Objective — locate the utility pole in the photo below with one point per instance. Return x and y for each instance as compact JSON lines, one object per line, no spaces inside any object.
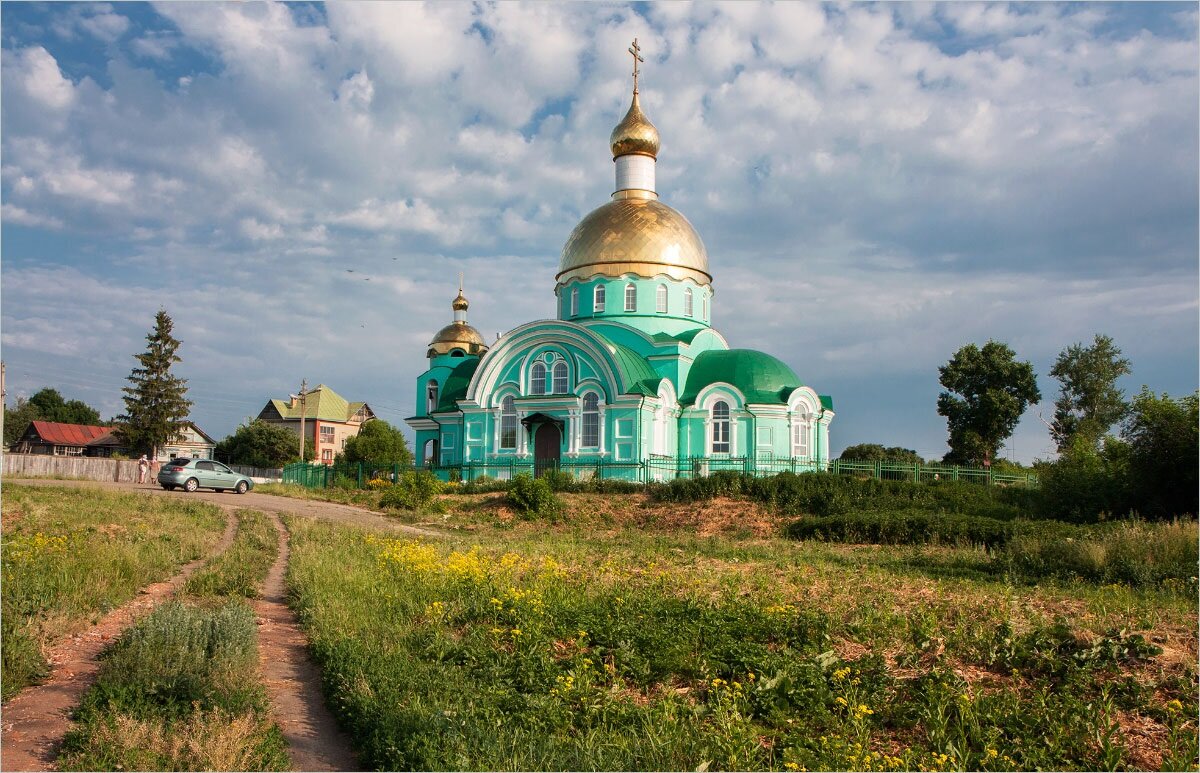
{"x":300,"y":397}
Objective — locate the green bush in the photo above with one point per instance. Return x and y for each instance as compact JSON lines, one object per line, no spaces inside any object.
{"x":414,"y":490}
{"x":828,"y":494}
{"x":484,"y":484}
{"x":559,"y":480}
{"x":533,"y":497}
{"x":1131,"y":552}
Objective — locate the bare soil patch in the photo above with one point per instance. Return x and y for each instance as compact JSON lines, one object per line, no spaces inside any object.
{"x":292,"y":681}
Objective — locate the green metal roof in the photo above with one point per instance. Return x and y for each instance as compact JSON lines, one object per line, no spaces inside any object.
{"x":684,"y":337}
{"x":456,"y":385}
{"x":635,"y":372}
{"x":826,"y":402}
{"x":760,"y":377}
{"x":321,"y":403}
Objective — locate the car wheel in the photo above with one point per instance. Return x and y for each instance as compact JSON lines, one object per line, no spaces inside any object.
{"x":242,"y":487}
{"x":191,"y":485}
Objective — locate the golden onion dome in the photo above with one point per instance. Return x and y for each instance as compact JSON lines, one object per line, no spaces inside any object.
{"x":457,"y":335}
{"x":634,"y":235}
{"x":459,"y":303}
{"x":634,"y":134}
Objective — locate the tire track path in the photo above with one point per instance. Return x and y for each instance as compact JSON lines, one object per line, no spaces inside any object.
{"x":292,"y":681}
{"x":36,"y":719}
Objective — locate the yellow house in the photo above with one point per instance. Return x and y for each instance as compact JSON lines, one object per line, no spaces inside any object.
{"x":329,"y":419}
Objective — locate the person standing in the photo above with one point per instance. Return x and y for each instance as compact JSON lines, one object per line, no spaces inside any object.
{"x":143,"y":468}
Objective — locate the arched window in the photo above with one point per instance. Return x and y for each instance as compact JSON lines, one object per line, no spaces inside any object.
{"x":801,"y":428}
{"x":660,"y":299}
{"x":591,"y":420}
{"x":574,"y":301}
{"x":537,"y":379}
{"x":687,"y":302}
{"x":431,"y":396}
{"x":560,"y":378}
{"x":704,"y":307}
{"x":508,"y":423}
{"x":720,"y":427}
{"x":598,"y":299}
{"x":630,"y":297}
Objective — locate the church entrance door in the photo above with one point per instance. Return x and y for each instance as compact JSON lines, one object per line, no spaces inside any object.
{"x":547,"y":448}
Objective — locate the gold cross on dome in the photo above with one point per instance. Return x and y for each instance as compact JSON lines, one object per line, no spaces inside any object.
{"x":636,"y":50}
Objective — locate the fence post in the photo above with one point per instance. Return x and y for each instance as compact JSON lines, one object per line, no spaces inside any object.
{"x":360,"y":474}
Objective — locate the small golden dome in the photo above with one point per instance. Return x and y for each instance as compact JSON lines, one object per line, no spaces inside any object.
{"x":459,"y":303}
{"x":457,"y":335}
{"x":640,"y":236}
{"x":634,"y":134}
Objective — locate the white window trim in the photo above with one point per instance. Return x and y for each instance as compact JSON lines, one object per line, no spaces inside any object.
{"x":583,"y":414}
{"x":598,"y":299}
{"x":688,"y":306}
{"x":630,"y":297}
{"x":574,"y":301}
{"x":660,"y":299}
{"x":714,"y":422}
{"x":533,"y":390}
{"x":566,"y":380}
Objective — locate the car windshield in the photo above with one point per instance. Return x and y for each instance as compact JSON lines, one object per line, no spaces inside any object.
{"x":220,"y":467}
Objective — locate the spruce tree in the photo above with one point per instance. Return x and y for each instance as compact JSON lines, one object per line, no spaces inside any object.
{"x":156,"y":406}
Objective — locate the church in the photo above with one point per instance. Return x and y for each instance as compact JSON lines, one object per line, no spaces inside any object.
{"x":631,"y":380}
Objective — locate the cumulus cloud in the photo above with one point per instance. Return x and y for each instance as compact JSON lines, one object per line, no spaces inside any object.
{"x":904,"y":176}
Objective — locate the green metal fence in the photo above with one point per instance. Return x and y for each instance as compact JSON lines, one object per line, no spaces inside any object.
{"x":654,"y":469}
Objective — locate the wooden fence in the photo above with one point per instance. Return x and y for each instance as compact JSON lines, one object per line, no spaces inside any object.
{"x":98,"y":468}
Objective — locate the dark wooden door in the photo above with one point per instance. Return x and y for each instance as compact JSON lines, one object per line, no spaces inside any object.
{"x":547,"y":448}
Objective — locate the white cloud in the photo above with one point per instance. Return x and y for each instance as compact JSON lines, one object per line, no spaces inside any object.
{"x":38,"y":73}
{"x":896,"y":169}
{"x":11,"y":213}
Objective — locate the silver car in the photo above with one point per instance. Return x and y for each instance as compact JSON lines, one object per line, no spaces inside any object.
{"x":192,"y":474}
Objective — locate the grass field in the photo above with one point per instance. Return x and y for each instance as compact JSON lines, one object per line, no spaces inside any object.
{"x":70,"y":555}
{"x":180,"y":690}
{"x":525,"y":646}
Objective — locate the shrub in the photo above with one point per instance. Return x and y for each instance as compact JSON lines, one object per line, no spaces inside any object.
{"x":379,"y":484}
{"x":559,"y":480}
{"x":533,"y":496}
{"x":484,"y":484}
{"x":827,"y":494}
{"x":1132,"y":552}
{"x":414,"y":490}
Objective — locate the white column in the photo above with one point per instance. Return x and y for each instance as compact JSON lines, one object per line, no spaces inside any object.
{"x":522,"y":439}
{"x":603,"y":449}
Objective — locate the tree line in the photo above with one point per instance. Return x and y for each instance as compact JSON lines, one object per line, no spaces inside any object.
{"x":1147,"y":466}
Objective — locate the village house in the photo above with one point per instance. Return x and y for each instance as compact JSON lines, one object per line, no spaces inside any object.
{"x":329,"y":419}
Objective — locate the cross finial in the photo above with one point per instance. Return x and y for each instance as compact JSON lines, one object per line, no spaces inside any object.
{"x":636,"y":50}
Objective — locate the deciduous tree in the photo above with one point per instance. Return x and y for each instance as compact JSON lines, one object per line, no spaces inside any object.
{"x":1163,"y":453}
{"x":378,"y":441}
{"x":988,"y":390}
{"x":156,"y":405}
{"x":259,"y":444}
{"x":874,"y":452}
{"x":1089,"y":402}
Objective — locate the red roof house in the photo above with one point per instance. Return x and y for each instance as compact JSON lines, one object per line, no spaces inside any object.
{"x":53,"y":437}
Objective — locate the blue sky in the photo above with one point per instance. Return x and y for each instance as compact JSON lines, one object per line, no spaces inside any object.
{"x":299,"y":185}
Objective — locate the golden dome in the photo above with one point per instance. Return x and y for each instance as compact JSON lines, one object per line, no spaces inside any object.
{"x":634,"y":134}
{"x":634,"y":235}
{"x":459,"y":303}
{"x":457,"y":335}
